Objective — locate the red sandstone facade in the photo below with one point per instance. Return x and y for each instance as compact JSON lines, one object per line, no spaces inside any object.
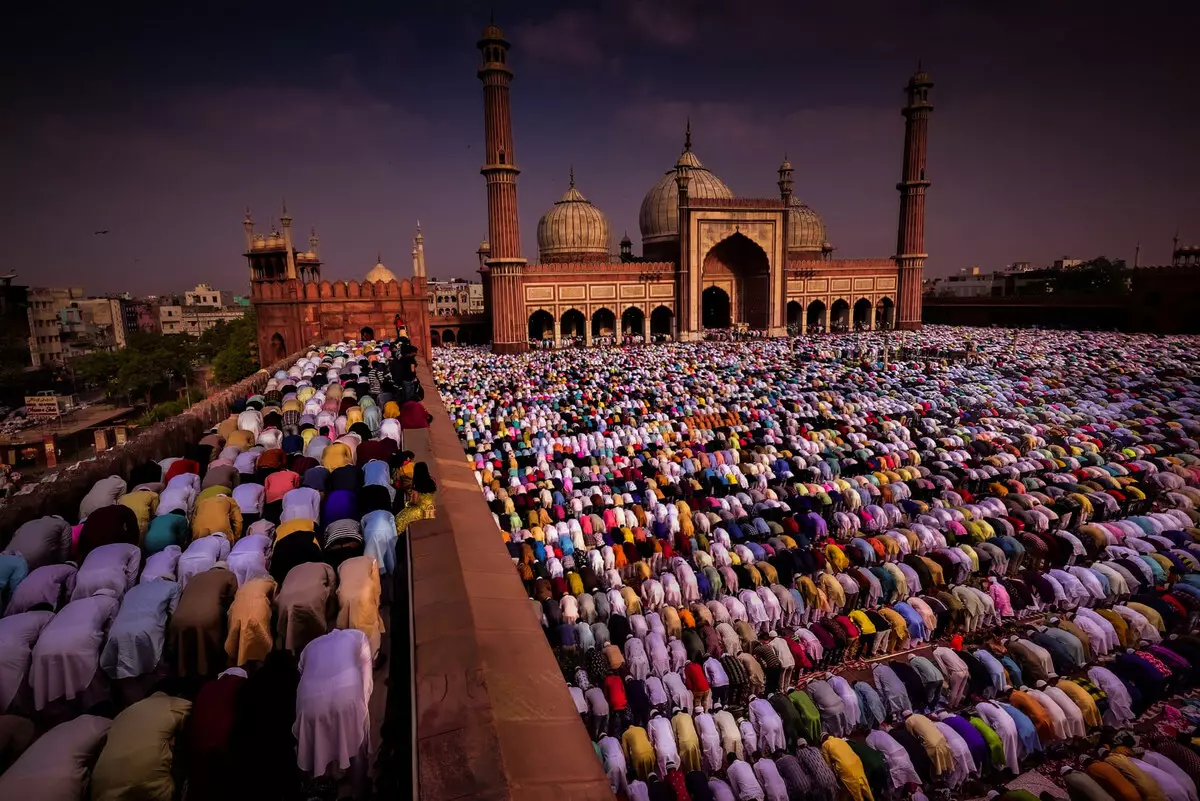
{"x":711,"y":259}
{"x":296,"y":307}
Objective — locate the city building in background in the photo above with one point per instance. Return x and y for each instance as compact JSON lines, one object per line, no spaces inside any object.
{"x":456,"y":297}
{"x":198,"y":310}
{"x":45,"y":322}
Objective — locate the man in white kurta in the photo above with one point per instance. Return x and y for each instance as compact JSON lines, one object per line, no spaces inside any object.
{"x":113,"y":567}
{"x":18,"y":634}
{"x":332,"y":724}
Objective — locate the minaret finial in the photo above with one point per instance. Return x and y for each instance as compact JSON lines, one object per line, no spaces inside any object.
{"x":687,"y":136}
{"x":918,"y":63}
{"x":379,"y":257}
{"x":572,"y":176}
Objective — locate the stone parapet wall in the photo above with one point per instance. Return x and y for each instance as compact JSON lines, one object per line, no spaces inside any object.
{"x":159,"y":441}
{"x":494,"y":718}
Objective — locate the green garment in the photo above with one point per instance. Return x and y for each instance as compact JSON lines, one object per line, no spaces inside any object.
{"x":874,"y":765}
{"x":994,"y":745}
{"x":810,"y":718}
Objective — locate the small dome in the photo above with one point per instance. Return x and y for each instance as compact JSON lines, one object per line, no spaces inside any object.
{"x":484,"y":247}
{"x":573,"y":230}
{"x":307,"y":255}
{"x":260,"y":242}
{"x":659,"y":215}
{"x":380,"y":273}
{"x":274,"y":240}
{"x":492,"y":33}
{"x":805,"y":229}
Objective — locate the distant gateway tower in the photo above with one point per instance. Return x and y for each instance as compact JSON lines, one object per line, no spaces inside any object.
{"x":710,"y":258}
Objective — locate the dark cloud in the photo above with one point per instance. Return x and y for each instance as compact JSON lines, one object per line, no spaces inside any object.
{"x":1055,"y":131}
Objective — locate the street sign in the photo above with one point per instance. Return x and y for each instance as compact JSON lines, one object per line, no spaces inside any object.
{"x":42,"y":407}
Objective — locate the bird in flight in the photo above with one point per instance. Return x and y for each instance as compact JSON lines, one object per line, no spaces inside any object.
{"x":98,"y":233}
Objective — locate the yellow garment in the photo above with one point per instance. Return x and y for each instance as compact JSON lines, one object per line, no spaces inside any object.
{"x":687,"y":741}
{"x":250,"y":636}
{"x":240,"y":439}
{"x":358,"y":598}
{"x":898,"y":624}
{"x":836,"y":558}
{"x":337,"y":454}
{"x":940,"y":755}
{"x":292,"y":526}
{"x":212,"y":492}
{"x":217,"y":515}
{"x":423,"y":509}
{"x":1146,"y":786}
{"x":1119,"y":624}
{"x":1083,"y":699}
{"x":391,"y":410}
{"x":639,"y":754}
{"x":144,"y":504}
{"x":227,"y":427}
{"x":633,"y":604}
{"x":136,"y":761}
{"x":354,"y":415}
{"x":865,"y":626}
{"x":833,"y":589}
{"x":848,"y":767}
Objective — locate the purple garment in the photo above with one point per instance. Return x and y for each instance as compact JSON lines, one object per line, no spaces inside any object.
{"x":18,"y":634}
{"x":341,"y":504}
{"x":51,"y":584}
{"x":67,"y":654}
{"x":113,"y":567}
{"x":972,"y":736}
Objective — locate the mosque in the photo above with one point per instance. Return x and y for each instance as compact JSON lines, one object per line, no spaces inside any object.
{"x":711,"y":259}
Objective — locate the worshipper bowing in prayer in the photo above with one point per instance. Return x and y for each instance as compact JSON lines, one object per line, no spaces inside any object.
{"x":57,"y":766}
{"x":332,"y":723}
{"x":197,"y":629}
{"x":137,"y":760}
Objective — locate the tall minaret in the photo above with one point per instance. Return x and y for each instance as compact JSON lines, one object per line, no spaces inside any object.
{"x":419,"y":244}
{"x":248,"y":227}
{"x":286,"y":219}
{"x":505,"y":265}
{"x":910,"y":239}
{"x":313,"y":243}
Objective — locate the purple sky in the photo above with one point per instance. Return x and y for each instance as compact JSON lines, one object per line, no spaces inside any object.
{"x":1054,"y":132}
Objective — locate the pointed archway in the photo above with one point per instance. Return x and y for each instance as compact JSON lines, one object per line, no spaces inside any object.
{"x":661,"y":321}
{"x":885,"y":314}
{"x":604,"y":323}
{"x":839,"y":316}
{"x":633,"y":322}
{"x":541,"y":325}
{"x":715,"y":308}
{"x":862,"y":314}
{"x":795,"y":317}
{"x":746,"y":265}
{"x":573,"y":324}
{"x":816,"y":316}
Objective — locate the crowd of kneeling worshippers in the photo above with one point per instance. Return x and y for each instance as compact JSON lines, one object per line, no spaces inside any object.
{"x":803,"y":570}
{"x":209,"y":625}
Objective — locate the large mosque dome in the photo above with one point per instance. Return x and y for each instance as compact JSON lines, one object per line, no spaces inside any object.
{"x":659,"y":216}
{"x":805,"y":229}
{"x":573,"y":230}
{"x":380,"y":273}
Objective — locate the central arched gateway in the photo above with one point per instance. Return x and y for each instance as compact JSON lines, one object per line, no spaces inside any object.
{"x":715,"y":308}
{"x":740,"y":263}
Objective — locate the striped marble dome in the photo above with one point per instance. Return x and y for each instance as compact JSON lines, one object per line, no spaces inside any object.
{"x":573,"y":230}
{"x":805,"y":229}
{"x":659,"y":216}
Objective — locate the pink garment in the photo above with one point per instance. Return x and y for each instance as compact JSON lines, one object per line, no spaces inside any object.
{"x":332,"y":724}
{"x":67,"y":653}
{"x":1000,"y":598}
